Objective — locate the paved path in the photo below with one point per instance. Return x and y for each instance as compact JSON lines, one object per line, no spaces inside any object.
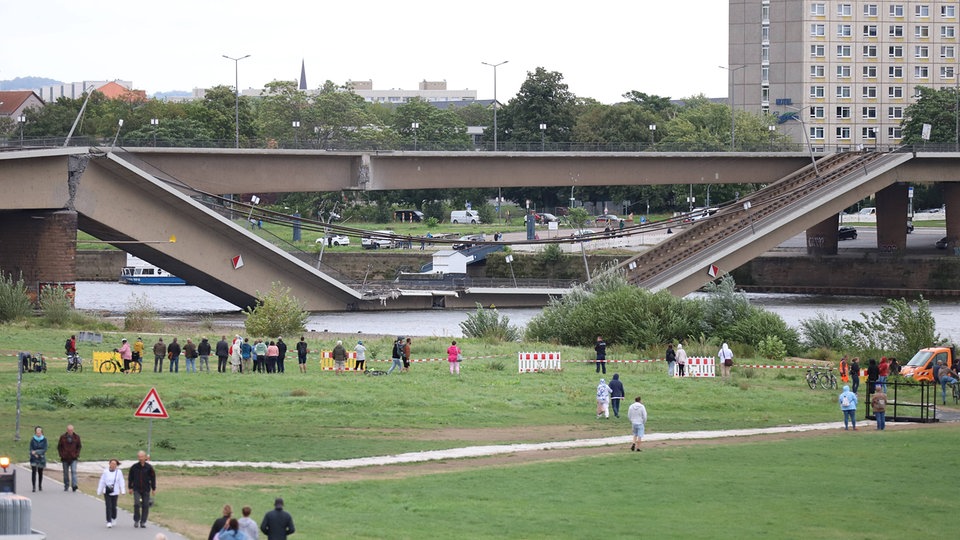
{"x":68,"y":515}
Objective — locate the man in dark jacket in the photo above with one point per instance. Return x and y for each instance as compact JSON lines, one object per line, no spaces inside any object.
{"x":159,"y":351}
{"x":277,"y":524}
{"x":282,"y":350}
{"x":69,"y":448}
{"x":173,"y":353}
{"x":616,"y":394}
{"x":203,"y":351}
{"x":601,"y":349}
{"x":223,"y":352}
{"x":143,"y":484}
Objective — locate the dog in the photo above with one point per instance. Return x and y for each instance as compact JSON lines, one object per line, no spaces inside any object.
{"x":374,"y":372}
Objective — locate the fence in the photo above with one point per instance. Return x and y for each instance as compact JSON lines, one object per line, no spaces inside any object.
{"x":326,"y":361}
{"x":698,"y":366}
{"x":529,"y":362}
{"x":907,"y":401}
{"x":99,"y":357}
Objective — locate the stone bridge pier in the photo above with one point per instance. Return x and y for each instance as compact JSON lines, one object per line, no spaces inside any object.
{"x":40,"y":246}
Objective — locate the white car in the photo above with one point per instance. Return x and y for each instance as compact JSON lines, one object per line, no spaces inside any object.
{"x":368,"y":242}
{"x":335,"y":240}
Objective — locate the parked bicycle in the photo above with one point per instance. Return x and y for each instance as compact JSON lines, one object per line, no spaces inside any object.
{"x":74,"y":363}
{"x":823,"y":378}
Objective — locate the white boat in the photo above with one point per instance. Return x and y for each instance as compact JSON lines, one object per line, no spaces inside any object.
{"x":140,"y":272}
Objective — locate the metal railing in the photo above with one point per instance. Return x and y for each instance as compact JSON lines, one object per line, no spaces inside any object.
{"x":907,"y":401}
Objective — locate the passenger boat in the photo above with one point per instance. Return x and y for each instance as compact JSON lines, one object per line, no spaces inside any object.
{"x":139,"y":272}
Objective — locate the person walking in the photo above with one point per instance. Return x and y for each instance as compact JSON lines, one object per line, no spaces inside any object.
{"x":878,"y":404}
{"x":69,"y":447}
{"x":159,"y":351}
{"x":603,"y":399}
{"x":143,"y":484}
{"x":302,"y":351}
{"x":111,"y":486}
{"x":681,"y":361}
{"x":855,"y":374}
{"x":231,"y":531}
{"x":126,"y":354}
{"x":725,"y":357}
{"x":601,"y":349}
{"x":454,"y":356}
{"x":339,"y":358}
{"x":247,"y":525}
{"x":221,"y":522}
{"x":190,"y":353}
{"x":361,"y":356}
{"x":38,"y":457}
{"x":203,"y":351}
{"x":277,"y":524}
{"x":848,"y":404}
{"x":637,"y":413}
{"x":844,"y":370}
{"x":406,"y":355}
{"x":281,"y":353}
{"x":397,"y":355}
{"x":671,"y":357}
{"x":616,"y":394}
{"x":223,"y":352}
{"x":173,"y":354}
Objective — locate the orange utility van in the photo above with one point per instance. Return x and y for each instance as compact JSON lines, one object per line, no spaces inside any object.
{"x":920,"y":367}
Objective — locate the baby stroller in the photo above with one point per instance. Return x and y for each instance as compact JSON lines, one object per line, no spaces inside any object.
{"x":34,"y":364}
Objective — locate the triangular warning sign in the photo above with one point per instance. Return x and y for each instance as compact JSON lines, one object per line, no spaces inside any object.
{"x":151,"y":406}
{"x":237,"y":262}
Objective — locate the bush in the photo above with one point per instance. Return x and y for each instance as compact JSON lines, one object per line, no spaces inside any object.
{"x":824,"y":332}
{"x":550,"y":256}
{"x":489,"y":324}
{"x":759,"y":324}
{"x":723,"y":307}
{"x":141,"y":316}
{"x":101,"y":402}
{"x":14,"y":300}
{"x":275,"y":314}
{"x":772,"y":348}
{"x":57,"y":306}
{"x":896,"y":330}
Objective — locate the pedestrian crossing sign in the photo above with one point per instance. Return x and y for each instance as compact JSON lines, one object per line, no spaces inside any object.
{"x":151,"y":406}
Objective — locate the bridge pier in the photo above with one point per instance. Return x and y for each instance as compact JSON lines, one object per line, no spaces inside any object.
{"x":951,"y":197}
{"x":40,"y":245}
{"x":822,"y":237}
{"x":892,"y":217}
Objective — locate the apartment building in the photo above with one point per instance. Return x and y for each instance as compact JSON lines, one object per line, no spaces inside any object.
{"x":847,"y":69}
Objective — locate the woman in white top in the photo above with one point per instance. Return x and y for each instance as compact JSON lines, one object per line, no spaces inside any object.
{"x":681,"y":361}
{"x":111,"y":486}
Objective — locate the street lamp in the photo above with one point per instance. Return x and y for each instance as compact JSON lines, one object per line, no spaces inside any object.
{"x":154,"y":122}
{"x":772,"y":129}
{"x":733,"y":104}
{"x":653,"y":130}
{"x":495,"y":102}
{"x":22,"y":119}
{"x":296,"y":133}
{"x":806,"y":135}
{"x":236,"y":85}
{"x":415,"y":126}
{"x":543,"y":131}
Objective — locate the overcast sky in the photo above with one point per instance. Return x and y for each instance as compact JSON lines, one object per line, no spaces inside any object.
{"x":603,"y":48}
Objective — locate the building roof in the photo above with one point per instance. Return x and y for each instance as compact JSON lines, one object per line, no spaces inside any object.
{"x":11,"y":101}
{"x":114,"y":90}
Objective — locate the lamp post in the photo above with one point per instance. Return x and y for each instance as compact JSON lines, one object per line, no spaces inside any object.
{"x":495,"y":102}
{"x":415,"y":126}
{"x":236,"y":86}
{"x":733,"y":104}
{"x":772,"y":129}
{"x":543,"y":140}
{"x":296,"y":133}
{"x":154,"y":122}
{"x":806,"y":136}
{"x":653,"y":130}
{"x":22,"y":119}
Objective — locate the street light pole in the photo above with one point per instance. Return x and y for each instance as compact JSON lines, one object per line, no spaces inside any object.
{"x":806,"y":136}
{"x":733,"y":104}
{"x":296,"y":133}
{"x":415,"y":126}
{"x":154,"y":122}
{"x":653,"y":130}
{"x":543,"y":143}
{"x":495,"y":102}
{"x":22,"y":119}
{"x":236,"y":85}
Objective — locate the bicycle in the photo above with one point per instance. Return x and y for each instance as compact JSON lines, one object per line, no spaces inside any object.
{"x":38,"y":363}
{"x":74,"y":363}
{"x":828,"y":380}
{"x":812,"y":377}
{"x":113,"y":366}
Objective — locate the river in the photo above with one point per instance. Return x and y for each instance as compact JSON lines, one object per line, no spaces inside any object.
{"x":178,"y":302}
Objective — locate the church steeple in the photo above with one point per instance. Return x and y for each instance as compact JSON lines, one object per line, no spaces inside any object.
{"x":303,"y":75}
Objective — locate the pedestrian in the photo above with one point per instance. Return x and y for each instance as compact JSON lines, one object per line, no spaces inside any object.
{"x":601,"y":349}
{"x":203,"y":351}
{"x":725,"y":357}
{"x":236,"y":355}
{"x":111,"y":486}
{"x":339,"y":358}
{"x":159,"y":351}
{"x":873,"y":375}
{"x":397,"y":355}
{"x":138,"y":352}
{"x":616,"y":394}
{"x":143,"y":484}
{"x":190,"y":353}
{"x":281,"y":353}
{"x":69,"y":447}
{"x":637,"y":413}
{"x":844,"y":370}
{"x":247,"y":525}
{"x":221,"y":522}
{"x":223,"y":352}
{"x":883,"y":371}
{"x":302,"y":351}
{"x":246,"y":356}
{"x":603,"y":399}
{"x":126,"y":354}
{"x":173,"y":354}
{"x":260,"y":356}
{"x":272,"y":354}
{"x":361,"y":356}
{"x":848,"y":404}
{"x":855,"y":374}
{"x":406,"y":355}
{"x":70,"y":347}
{"x":671,"y":358}
{"x":894,"y":366}
{"x":681,"y":359}
{"x":277,"y":524}
{"x":38,"y":457}
{"x":947,"y":376}
{"x":231,"y":531}
{"x":878,"y":404}
{"x":454,"y":357}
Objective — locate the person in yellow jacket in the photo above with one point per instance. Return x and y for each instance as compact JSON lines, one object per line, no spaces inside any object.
{"x":138,"y":351}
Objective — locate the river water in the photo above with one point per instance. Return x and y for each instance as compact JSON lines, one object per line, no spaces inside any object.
{"x":189,"y":302}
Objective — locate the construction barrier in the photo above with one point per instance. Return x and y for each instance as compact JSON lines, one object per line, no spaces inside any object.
{"x":326,"y":361}
{"x":538,"y":361}
{"x":100,"y":357}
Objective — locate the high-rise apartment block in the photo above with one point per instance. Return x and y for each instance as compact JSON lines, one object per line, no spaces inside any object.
{"x":849,"y":69}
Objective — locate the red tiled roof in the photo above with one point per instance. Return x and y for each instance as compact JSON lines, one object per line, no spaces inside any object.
{"x":10,"y":101}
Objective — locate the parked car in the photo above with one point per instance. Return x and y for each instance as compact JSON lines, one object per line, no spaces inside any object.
{"x":699,"y":213}
{"x":468,"y":241}
{"x":546,"y":218}
{"x":411,"y":216}
{"x":333,"y":239}
{"x":930,"y":211}
{"x":607,"y":219}
{"x":868,"y":211}
{"x":582,"y":232}
{"x":847,"y":233}
{"x":369,"y":242}
{"x":943,"y":243}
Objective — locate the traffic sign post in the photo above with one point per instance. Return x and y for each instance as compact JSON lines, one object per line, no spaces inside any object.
{"x":151,"y":407}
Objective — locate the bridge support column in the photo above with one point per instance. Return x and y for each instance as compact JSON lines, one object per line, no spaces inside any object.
{"x":951,"y":196}
{"x":40,"y":245}
{"x":822,"y":237}
{"x":892,"y":218}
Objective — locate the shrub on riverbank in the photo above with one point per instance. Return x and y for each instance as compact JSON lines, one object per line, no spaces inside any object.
{"x":14,"y":302}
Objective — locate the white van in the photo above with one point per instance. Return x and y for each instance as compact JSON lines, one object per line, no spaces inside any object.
{"x":465,"y":216}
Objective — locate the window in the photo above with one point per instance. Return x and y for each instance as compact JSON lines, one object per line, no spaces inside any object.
{"x":843,"y":132}
{"x":869,"y":112}
{"x":817,"y":71}
{"x":921,"y":72}
{"x":948,"y":12}
{"x":765,"y":13}
{"x":895,"y":91}
{"x":870,"y":10}
{"x":765,"y":34}
{"x":896,"y":10}
{"x":947,"y":72}
{"x":869,"y":51}
{"x":870,"y":72}
{"x":947,"y":51}
{"x":868,"y":133}
{"x":843,"y":91}
{"x":921,"y":51}
{"x":765,"y":94}
{"x":894,"y":132}
{"x":895,"y":72}
{"x":921,"y":10}
{"x":870,"y":30}
{"x":817,"y":91}
{"x":843,"y":51}
{"x":844,"y":30}
{"x":817,"y":112}
{"x":844,"y":10}
{"x":843,"y":112}
{"x":818,"y":29}
{"x":921,"y":31}
{"x":895,"y":51}
{"x":947,"y":31}
{"x":816,"y":132}
{"x":843,"y":72}
{"x":818,"y":9}
{"x":870,"y":92}
{"x":765,"y":74}
{"x":818,"y":51}
{"x":896,"y":30}
{"x":765,"y":54}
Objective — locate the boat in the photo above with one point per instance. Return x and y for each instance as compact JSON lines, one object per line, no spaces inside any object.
{"x":140,"y":272}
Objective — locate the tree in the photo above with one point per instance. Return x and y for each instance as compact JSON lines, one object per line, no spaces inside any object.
{"x":217,"y":110}
{"x":282,"y":104}
{"x":660,"y":105}
{"x":543,"y":99}
{"x":276,"y":313}
{"x":439,"y":129}
{"x":939,"y":108}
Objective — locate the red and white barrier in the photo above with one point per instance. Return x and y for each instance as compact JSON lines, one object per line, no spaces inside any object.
{"x":538,"y":361}
{"x":701,"y":367}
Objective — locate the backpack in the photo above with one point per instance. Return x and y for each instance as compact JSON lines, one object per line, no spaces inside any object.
{"x":66,"y":346}
{"x":846,"y":402}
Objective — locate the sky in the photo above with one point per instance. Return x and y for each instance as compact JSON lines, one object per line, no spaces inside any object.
{"x":603,"y":48}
